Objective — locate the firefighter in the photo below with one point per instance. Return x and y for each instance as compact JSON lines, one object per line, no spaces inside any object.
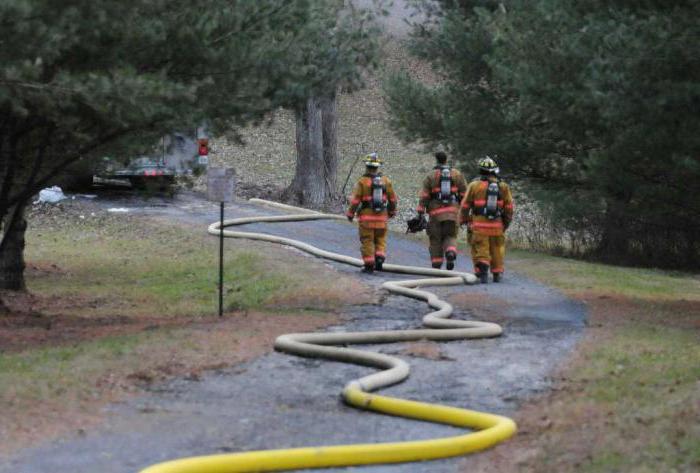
{"x":487,"y":209}
{"x":374,"y":202}
{"x":442,"y":192}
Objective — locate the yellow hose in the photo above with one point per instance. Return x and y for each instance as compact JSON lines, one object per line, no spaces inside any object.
{"x":490,"y":429}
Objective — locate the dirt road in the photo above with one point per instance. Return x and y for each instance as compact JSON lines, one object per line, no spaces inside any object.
{"x":280,"y":401}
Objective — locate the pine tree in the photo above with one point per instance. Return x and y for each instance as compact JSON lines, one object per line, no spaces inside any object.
{"x":592,"y":103}
{"x":80,"y":79}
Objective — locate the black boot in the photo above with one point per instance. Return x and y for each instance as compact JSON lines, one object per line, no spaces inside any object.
{"x":369,"y":268}
{"x":451,"y":256}
{"x":437,"y":265}
{"x":497,"y":277}
{"x":483,"y":273}
{"x":378,"y":262}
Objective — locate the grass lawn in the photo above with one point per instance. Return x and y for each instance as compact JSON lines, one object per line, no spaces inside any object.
{"x":136,"y":268}
{"x":578,"y":277}
{"x":629,"y":398}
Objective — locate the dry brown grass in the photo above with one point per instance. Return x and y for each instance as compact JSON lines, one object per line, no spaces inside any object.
{"x":628,"y":399}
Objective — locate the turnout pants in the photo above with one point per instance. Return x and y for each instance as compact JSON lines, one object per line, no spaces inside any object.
{"x":443,"y":238}
{"x":372,"y":243}
{"x":490,"y":250}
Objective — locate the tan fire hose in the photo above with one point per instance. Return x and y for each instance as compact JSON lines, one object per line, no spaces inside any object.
{"x":490,"y":429}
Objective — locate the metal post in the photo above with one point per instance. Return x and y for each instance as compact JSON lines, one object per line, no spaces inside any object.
{"x":220,"y":189}
{"x":221,"y":262}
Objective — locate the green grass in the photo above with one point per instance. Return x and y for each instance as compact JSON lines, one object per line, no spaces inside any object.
{"x":580,"y":276}
{"x":68,"y":375}
{"x":639,"y":357}
{"x":49,"y":373}
{"x":647,"y":376}
{"x":167,"y":270}
{"x":605,"y":461}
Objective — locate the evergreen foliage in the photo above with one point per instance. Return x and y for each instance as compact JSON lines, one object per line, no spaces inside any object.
{"x":83,"y":78}
{"x":593,"y":104}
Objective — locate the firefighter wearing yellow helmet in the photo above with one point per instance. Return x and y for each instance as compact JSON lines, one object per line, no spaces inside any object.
{"x":487,"y":209}
{"x":443,"y":190}
{"x":374,"y":202}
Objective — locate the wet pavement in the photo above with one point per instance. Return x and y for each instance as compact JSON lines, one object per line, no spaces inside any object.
{"x":280,"y":401}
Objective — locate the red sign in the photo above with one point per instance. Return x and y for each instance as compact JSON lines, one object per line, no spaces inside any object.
{"x":203,"y":146}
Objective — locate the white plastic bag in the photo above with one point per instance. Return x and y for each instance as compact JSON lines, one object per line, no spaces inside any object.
{"x":51,"y":195}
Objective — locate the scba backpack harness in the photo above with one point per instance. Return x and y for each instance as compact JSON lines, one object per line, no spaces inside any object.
{"x":445,"y":193}
{"x":378,"y":202}
{"x":491,"y":210}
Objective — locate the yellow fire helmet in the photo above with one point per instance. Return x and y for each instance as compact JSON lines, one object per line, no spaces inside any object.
{"x":372,"y":160}
{"x":488,"y":166}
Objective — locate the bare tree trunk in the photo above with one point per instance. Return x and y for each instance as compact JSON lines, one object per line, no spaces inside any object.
{"x":302,"y":161}
{"x":12,"y":251}
{"x":309,"y":184}
{"x":315,"y":176}
{"x":329,"y":114}
{"x":315,"y":191}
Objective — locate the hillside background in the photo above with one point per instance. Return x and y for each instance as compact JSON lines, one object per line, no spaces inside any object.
{"x":264,"y":161}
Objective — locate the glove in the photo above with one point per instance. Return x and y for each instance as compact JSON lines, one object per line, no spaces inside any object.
{"x":416,"y":224}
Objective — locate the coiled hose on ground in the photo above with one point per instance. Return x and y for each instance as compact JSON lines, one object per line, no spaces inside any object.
{"x":489,"y":429}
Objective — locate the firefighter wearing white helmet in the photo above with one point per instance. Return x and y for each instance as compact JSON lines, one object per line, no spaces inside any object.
{"x":487,"y":209}
{"x":374,"y":202}
{"x":443,"y":190}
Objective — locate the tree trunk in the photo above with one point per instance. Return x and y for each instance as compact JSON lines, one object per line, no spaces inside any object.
{"x":302,"y":161}
{"x":314,"y":182}
{"x":329,"y":114}
{"x":315,"y":190}
{"x":12,"y":252}
{"x":307,"y":187}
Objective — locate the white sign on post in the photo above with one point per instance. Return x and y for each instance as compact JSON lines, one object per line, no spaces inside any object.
{"x":220,"y":184}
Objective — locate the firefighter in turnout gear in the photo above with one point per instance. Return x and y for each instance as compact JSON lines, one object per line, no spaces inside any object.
{"x":443,"y":190}
{"x":487,"y":209}
{"x":374,"y":202}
